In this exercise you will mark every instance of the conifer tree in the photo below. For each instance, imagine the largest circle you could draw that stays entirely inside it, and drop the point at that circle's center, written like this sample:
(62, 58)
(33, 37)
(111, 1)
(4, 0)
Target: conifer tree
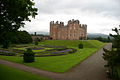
(113, 56)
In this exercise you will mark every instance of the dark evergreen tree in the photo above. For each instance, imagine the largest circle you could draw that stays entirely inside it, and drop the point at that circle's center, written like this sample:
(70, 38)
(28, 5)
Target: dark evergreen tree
(113, 56)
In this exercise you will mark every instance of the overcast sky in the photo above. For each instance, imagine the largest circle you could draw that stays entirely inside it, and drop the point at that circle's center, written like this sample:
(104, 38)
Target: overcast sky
(99, 15)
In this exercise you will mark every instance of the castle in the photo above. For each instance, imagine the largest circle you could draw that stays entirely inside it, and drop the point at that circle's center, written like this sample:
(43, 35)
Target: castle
(72, 31)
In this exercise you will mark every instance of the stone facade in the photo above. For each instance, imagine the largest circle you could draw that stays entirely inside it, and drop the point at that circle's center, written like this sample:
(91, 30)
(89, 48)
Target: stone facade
(72, 31)
(43, 37)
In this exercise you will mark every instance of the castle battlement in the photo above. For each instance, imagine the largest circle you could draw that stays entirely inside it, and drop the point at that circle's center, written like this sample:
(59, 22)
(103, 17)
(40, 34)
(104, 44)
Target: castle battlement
(73, 30)
(73, 21)
(52, 23)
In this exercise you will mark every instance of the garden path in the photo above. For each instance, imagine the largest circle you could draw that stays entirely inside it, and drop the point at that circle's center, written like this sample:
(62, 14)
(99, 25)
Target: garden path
(90, 69)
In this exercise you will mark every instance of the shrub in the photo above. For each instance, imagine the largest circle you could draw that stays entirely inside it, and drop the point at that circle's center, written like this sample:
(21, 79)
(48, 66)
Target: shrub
(29, 56)
(36, 41)
(80, 46)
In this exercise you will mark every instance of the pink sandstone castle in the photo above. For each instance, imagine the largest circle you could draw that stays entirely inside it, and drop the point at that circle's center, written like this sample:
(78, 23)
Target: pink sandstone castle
(72, 31)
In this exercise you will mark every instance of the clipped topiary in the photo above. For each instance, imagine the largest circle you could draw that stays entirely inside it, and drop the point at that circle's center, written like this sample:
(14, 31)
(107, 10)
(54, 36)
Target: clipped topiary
(36, 41)
(29, 56)
(80, 46)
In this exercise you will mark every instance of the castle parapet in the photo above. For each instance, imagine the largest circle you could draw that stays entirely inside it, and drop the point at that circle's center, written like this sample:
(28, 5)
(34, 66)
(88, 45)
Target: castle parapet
(51, 23)
(84, 26)
(61, 24)
(73, 21)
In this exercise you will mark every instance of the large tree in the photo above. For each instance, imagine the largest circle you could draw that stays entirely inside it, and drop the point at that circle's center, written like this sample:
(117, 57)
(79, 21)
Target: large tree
(13, 13)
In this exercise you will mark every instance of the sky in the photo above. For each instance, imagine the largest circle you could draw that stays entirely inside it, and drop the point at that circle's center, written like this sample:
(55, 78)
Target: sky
(99, 15)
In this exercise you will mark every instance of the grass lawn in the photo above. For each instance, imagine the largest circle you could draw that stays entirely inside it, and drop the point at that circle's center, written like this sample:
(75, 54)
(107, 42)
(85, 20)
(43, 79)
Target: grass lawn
(61, 63)
(8, 73)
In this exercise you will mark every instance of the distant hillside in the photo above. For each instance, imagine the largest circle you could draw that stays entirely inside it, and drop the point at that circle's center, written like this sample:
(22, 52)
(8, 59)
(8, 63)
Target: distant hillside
(40, 32)
(90, 35)
(94, 35)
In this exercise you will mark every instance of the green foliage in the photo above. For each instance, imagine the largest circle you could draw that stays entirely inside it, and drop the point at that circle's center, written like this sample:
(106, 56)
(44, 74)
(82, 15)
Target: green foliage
(6, 44)
(101, 39)
(21, 37)
(80, 46)
(36, 42)
(113, 57)
(16, 37)
(12, 17)
(28, 56)
(24, 37)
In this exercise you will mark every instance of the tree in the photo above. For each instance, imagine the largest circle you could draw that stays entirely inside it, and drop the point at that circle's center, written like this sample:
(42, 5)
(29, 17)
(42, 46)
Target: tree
(113, 57)
(12, 16)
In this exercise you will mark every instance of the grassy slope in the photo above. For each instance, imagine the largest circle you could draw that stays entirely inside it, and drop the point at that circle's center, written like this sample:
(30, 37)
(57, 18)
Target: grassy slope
(73, 43)
(8, 73)
(61, 63)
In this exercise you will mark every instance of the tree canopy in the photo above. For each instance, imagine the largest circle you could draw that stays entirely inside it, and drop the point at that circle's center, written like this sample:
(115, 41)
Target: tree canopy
(13, 14)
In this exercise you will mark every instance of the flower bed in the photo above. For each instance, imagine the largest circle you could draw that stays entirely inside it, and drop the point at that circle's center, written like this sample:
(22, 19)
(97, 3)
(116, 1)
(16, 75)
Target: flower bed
(7, 53)
(55, 52)
(37, 48)
(18, 50)
(39, 51)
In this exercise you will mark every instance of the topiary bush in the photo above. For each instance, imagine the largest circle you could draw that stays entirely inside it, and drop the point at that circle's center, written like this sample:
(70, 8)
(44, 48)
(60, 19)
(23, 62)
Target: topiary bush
(29, 56)
(80, 46)
(36, 41)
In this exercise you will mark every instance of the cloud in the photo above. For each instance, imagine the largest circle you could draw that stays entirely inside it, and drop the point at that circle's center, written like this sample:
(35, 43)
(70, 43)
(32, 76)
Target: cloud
(111, 7)
(99, 15)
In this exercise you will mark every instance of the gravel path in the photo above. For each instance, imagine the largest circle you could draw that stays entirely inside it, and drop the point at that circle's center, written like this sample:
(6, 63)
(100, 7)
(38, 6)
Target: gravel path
(90, 69)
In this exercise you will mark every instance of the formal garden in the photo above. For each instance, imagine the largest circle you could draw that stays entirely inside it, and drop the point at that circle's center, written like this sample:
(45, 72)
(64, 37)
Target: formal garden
(57, 56)
(53, 55)
(40, 51)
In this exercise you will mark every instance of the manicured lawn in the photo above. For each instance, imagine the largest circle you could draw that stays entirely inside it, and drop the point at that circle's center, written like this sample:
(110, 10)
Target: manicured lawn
(61, 63)
(8, 73)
